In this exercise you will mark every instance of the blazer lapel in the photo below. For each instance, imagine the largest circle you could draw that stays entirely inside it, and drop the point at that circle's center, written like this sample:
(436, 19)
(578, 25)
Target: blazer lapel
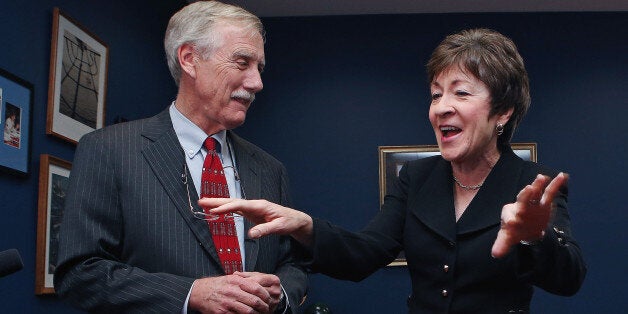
(168, 169)
(434, 203)
(250, 182)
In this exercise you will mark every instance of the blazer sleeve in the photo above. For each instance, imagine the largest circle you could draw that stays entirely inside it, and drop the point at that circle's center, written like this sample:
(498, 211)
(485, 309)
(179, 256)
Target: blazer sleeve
(555, 264)
(377, 244)
(90, 274)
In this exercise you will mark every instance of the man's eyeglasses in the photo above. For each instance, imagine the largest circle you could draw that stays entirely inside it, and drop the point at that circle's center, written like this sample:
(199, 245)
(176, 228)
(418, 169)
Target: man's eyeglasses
(202, 215)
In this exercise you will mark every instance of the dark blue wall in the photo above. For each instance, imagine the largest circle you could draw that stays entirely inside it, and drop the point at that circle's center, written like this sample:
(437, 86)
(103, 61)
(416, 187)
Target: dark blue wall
(336, 88)
(138, 85)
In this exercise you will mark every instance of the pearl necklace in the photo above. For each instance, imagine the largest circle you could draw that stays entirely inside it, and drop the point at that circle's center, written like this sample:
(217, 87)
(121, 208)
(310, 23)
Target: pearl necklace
(467, 187)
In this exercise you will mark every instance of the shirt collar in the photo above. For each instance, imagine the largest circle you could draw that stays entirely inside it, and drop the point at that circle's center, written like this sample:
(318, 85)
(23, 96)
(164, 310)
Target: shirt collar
(190, 135)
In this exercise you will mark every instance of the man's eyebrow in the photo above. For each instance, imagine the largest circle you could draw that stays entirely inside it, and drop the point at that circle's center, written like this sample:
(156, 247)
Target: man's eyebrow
(245, 54)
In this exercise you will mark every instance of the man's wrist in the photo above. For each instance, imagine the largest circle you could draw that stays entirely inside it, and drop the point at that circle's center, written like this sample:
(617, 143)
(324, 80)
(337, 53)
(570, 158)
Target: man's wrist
(282, 297)
(284, 303)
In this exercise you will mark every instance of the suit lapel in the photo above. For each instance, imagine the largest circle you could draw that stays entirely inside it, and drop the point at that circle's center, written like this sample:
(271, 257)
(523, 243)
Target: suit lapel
(249, 171)
(168, 169)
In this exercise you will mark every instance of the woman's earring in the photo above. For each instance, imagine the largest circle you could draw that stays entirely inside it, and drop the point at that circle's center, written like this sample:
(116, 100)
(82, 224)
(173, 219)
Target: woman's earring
(499, 128)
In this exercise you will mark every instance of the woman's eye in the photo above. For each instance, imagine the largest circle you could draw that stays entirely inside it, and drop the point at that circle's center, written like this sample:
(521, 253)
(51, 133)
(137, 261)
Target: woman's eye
(435, 96)
(462, 93)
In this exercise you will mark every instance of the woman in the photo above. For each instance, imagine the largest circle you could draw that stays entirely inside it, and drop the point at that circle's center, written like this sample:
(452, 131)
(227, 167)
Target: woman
(479, 226)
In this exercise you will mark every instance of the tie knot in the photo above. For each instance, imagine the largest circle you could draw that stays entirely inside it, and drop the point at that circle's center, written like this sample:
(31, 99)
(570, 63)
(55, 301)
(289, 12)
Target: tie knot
(211, 144)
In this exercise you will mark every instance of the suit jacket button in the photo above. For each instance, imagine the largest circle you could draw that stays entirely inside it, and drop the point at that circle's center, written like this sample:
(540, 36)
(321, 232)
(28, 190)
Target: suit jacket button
(445, 268)
(444, 292)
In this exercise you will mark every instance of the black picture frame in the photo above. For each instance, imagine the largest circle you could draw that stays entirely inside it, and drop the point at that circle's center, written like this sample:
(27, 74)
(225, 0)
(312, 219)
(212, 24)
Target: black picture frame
(16, 98)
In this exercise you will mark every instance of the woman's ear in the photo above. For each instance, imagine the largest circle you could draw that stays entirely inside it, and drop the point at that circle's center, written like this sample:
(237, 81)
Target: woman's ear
(505, 117)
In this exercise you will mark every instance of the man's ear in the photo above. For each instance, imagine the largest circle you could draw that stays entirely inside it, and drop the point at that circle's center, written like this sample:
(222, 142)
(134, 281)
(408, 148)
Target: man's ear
(187, 59)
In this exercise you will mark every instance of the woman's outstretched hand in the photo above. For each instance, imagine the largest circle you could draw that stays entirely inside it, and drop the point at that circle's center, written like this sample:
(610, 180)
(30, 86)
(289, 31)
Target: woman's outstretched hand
(269, 218)
(527, 218)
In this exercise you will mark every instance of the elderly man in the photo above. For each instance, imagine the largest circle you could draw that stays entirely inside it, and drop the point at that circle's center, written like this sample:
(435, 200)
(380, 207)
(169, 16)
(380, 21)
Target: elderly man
(133, 238)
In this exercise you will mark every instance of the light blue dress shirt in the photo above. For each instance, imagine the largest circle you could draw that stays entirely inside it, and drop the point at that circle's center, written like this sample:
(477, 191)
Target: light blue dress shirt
(191, 138)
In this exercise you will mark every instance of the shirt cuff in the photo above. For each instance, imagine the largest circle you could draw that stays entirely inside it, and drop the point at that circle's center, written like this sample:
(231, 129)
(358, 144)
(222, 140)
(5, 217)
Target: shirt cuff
(187, 300)
(285, 300)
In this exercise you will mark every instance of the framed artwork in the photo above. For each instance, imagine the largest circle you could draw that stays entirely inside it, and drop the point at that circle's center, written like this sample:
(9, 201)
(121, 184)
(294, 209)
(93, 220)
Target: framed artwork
(392, 158)
(16, 98)
(54, 174)
(78, 80)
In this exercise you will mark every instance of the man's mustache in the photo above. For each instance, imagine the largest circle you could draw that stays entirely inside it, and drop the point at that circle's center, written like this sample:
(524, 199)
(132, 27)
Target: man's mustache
(243, 94)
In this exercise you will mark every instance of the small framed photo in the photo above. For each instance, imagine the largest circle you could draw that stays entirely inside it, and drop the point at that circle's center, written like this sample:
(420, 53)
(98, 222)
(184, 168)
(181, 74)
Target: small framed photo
(16, 98)
(392, 158)
(78, 80)
(54, 175)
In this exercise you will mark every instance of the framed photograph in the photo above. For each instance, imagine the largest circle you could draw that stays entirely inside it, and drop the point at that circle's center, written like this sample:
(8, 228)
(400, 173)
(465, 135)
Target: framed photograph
(16, 98)
(78, 80)
(54, 174)
(392, 158)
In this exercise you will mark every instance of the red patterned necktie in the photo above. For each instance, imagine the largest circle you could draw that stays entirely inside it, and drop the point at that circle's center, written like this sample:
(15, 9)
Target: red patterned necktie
(214, 184)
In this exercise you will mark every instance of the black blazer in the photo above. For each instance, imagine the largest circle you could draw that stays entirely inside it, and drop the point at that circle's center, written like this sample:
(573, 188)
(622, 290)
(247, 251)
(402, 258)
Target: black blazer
(450, 262)
(128, 242)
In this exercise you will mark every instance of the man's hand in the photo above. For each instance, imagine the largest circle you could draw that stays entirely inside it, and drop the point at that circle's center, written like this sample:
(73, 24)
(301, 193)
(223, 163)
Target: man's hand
(236, 293)
(269, 282)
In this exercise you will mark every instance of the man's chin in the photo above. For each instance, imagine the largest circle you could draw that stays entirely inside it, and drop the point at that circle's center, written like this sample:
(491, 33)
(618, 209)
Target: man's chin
(234, 123)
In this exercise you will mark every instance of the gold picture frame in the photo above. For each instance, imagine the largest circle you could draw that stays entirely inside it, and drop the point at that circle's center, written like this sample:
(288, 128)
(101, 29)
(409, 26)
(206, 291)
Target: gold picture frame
(392, 158)
(54, 174)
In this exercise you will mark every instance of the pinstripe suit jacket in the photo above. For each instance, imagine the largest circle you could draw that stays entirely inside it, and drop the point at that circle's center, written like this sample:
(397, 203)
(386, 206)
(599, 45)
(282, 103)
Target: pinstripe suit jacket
(128, 242)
